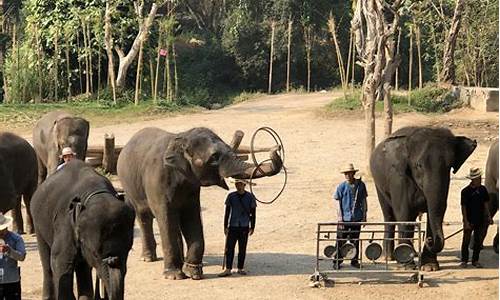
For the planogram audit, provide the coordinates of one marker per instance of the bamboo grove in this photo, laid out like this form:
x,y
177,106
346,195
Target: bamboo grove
x,y
202,51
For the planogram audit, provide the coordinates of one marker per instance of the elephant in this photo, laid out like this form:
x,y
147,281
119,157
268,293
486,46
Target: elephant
x,y
491,183
55,131
80,224
161,174
18,178
411,171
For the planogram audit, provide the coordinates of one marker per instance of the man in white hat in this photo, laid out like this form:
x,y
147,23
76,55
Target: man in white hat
x,y
12,250
67,155
476,216
350,197
239,223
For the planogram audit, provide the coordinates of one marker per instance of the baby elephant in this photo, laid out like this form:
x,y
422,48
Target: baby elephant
x,y
80,224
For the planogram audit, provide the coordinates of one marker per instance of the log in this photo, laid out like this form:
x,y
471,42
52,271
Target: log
x,y
235,143
98,150
108,158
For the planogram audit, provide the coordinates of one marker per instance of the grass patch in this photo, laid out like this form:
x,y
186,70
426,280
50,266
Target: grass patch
x,y
101,113
430,99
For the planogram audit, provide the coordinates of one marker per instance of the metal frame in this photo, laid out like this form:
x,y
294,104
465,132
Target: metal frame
x,y
327,232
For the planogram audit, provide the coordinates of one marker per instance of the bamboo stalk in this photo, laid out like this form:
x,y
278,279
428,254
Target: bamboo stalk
x,y
271,58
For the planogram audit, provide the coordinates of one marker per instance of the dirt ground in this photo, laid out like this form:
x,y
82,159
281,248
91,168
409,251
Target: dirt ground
x,y
281,253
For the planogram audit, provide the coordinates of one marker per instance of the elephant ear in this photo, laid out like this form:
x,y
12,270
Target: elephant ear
x,y
175,155
463,148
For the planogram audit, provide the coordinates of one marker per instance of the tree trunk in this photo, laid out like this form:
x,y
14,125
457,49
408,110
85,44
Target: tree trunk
x,y
167,70
138,77
108,40
290,22
436,54
348,69
56,65
333,32
87,63
417,39
448,72
157,69
79,61
91,71
98,71
397,53
308,44
176,78
126,60
39,65
151,75
410,65
68,70
374,43
271,58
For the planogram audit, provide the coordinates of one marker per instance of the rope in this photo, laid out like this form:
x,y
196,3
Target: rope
x,y
279,142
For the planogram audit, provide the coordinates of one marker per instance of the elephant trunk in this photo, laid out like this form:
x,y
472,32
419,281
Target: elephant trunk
x,y
231,166
113,279
436,208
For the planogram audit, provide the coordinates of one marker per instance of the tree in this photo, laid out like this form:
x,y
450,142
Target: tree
x,y
448,72
374,31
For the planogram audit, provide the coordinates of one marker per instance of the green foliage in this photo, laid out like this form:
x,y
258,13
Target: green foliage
x,y
430,99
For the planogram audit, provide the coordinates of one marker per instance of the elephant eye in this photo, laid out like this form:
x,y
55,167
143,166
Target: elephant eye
x,y
214,158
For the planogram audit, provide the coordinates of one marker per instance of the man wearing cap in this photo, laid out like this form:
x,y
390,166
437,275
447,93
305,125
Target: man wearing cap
x,y
476,216
239,223
67,155
350,198
12,250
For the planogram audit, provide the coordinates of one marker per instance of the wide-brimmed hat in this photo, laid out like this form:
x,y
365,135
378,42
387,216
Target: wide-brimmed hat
x,y
244,181
474,173
67,151
349,168
4,221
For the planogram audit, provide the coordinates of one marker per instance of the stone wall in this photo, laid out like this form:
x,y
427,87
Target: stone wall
x,y
483,99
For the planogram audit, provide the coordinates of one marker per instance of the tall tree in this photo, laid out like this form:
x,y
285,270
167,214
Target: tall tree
x,y
448,72
374,33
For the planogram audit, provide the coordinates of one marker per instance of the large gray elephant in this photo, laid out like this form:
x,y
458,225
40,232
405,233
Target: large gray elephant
x,y
411,170
80,224
53,132
18,178
162,173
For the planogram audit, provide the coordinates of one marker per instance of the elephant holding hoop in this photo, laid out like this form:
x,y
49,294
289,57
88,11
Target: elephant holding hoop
x,y
162,173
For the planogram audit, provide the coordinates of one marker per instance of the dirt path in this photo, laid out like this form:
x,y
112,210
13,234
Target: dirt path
x,y
281,252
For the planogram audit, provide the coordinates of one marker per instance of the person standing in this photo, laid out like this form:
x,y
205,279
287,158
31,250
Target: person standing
x,y
12,250
476,216
67,155
239,223
350,198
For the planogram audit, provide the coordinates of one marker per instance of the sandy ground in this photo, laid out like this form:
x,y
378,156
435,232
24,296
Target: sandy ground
x,y
281,253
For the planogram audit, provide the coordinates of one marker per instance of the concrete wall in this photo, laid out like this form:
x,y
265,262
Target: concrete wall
x,y
483,99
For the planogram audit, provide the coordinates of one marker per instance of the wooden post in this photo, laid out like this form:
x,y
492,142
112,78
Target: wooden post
x,y
290,22
108,157
271,56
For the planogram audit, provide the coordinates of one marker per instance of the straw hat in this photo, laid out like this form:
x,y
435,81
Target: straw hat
x,y
4,221
474,173
67,151
349,168
244,181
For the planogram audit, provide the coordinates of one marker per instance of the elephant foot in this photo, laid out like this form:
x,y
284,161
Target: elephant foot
x,y
430,267
174,274
149,257
193,271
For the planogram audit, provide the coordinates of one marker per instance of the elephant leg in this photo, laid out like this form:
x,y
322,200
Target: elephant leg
x,y
145,219
48,283
84,281
389,229
17,216
42,171
29,218
168,222
192,229
62,261
428,261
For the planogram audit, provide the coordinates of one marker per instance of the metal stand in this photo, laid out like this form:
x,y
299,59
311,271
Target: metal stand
x,y
407,233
